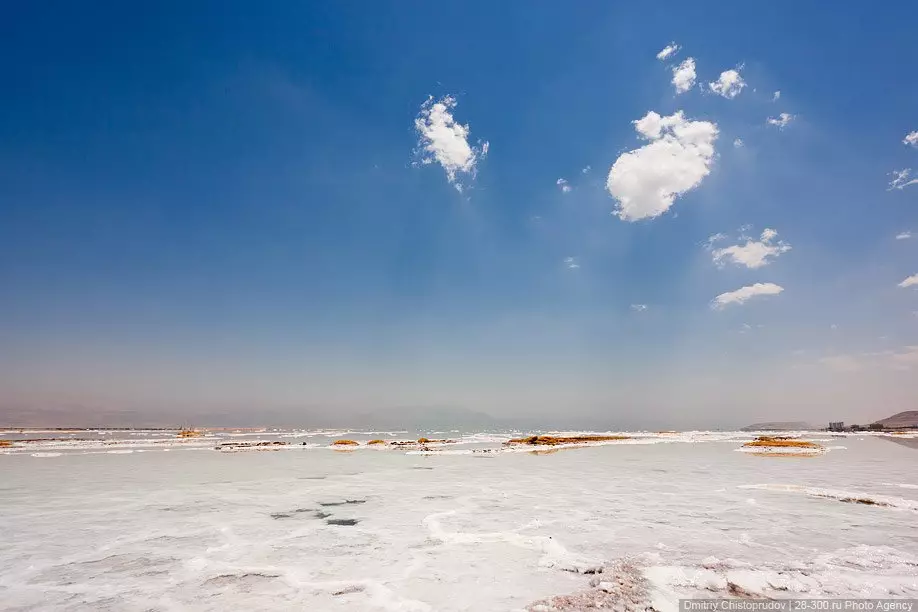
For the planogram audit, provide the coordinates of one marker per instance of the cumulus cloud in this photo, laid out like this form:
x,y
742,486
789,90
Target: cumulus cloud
x,y
911,281
684,75
444,141
903,235
563,185
639,307
901,179
571,262
743,294
729,85
776,96
738,143
668,51
755,253
586,170
646,181
911,139
781,120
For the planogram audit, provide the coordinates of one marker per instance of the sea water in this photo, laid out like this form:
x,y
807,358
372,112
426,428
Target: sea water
x,y
144,521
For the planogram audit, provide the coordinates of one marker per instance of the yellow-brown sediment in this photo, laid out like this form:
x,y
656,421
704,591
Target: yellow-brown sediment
x,y
376,442
5,443
769,441
344,443
556,440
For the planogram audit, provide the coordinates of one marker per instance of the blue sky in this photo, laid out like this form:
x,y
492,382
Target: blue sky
x,y
223,207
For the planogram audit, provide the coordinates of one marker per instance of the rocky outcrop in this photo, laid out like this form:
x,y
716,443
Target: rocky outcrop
x,y
264,445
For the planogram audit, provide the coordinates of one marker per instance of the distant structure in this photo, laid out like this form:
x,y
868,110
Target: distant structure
x,y
836,426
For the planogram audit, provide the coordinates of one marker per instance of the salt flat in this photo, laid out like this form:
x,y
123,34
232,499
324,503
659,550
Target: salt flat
x,y
142,521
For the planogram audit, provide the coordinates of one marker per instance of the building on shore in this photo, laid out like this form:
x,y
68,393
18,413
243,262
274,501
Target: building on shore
x,y
836,426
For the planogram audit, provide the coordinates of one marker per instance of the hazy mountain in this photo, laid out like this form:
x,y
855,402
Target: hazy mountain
x,y
780,426
909,418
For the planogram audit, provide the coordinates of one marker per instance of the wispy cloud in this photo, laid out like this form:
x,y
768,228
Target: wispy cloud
x,y
781,120
911,281
901,359
563,185
571,263
754,253
646,181
738,143
728,85
684,75
842,363
776,96
904,235
911,139
444,141
586,170
744,294
668,51
639,307
901,179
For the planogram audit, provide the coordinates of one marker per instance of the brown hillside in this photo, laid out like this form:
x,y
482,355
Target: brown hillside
x,y
909,418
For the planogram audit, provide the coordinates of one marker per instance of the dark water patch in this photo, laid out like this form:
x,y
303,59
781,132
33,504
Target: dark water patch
x,y
322,515
354,588
249,579
437,497
342,522
418,467
280,515
300,510
311,477
342,503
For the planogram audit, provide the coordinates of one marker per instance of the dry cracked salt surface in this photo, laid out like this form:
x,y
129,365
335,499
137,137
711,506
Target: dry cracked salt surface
x,y
629,525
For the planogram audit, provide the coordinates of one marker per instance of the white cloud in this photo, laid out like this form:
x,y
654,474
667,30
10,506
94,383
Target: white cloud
x,y
646,181
911,281
911,139
833,327
586,170
741,295
738,143
901,179
753,254
903,235
729,85
668,51
444,141
781,120
639,307
709,243
571,262
684,75
776,96
563,184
